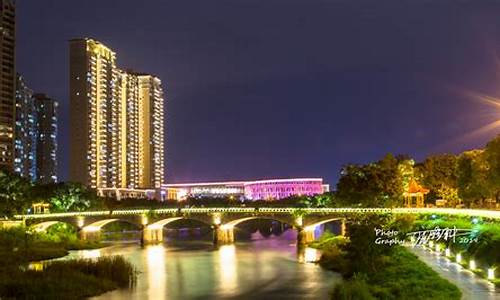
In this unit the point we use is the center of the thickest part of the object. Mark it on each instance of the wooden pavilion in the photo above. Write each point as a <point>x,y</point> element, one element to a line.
<point>414,196</point>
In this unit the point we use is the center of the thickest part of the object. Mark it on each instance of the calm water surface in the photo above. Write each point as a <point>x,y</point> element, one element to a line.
<point>256,269</point>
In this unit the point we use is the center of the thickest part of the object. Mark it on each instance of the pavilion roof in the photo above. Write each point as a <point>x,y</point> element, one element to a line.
<point>415,188</point>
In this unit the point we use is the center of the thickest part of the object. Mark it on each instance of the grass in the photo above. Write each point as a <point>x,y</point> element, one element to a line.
<point>113,268</point>
<point>67,279</point>
<point>484,250</point>
<point>406,277</point>
<point>72,279</point>
<point>403,276</point>
<point>353,289</point>
<point>328,240</point>
<point>399,274</point>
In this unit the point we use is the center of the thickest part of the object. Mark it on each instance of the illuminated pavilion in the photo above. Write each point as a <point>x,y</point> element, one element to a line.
<point>415,192</point>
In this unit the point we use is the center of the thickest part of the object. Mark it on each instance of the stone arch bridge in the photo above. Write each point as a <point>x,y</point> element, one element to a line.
<point>224,219</point>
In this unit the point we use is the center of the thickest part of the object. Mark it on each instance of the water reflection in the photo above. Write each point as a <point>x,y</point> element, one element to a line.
<point>156,273</point>
<point>90,253</point>
<point>35,266</point>
<point>228,270</point>
<point>260,267</point>
<point>308,255</point>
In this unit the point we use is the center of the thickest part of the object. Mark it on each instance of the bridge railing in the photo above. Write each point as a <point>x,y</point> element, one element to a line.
<point>492,214</point>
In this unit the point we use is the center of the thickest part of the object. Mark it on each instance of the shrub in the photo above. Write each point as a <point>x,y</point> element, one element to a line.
<point>353,289</point>
<point>113,268</point>
<point>70,279</point>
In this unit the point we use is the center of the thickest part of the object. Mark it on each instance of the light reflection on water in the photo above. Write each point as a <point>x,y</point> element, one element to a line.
<point>308,255</point>
<point>261,268</point>
<point>156,271</point>
<point>91,253</point>
<point>227,270</point>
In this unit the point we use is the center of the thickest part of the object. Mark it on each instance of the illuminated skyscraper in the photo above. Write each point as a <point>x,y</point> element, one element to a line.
<point>151,138</point>
<point>116,121</point>
<point>25,131</point>
<point>7,83</point>
<point>35,135</point>
<point>92,95</point>
<point>46,143</point>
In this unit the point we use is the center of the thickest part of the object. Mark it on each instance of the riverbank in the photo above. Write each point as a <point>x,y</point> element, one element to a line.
<point>480,245</point>
<point>471,285</point>
<point>71,279</point>
<point>373,271</point>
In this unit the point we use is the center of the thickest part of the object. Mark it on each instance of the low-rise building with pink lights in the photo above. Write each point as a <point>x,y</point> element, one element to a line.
<point>269,189</point>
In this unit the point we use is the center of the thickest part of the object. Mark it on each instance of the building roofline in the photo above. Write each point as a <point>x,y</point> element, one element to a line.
<point>242,183</point>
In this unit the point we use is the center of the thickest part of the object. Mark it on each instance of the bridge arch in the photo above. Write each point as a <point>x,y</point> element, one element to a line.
<point>153,233</point>
<point>231,224</point>
<point>44,226</point>
<point>318,223</point>
<point>307,234</point>
<point>224,234</point>
<point>97,225</point>
<point>159,224</point>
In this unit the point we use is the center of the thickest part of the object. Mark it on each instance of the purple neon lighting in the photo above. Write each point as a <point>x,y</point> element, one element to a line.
<point>282,188</point>
<point>258,189</point>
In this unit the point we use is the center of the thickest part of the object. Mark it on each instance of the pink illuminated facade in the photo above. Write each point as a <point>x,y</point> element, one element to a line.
<point>283,188</point>
<point>272,189</point>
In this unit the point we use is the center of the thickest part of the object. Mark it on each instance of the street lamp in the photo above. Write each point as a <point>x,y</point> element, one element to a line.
<point>491,273</point>
<point>472,264</point>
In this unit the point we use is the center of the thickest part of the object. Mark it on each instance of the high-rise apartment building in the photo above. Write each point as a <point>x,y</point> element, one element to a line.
<point>116,121</point>
<point>35,135</point>
<point>92,96</point>
<point>25,131</point>
<point>150,129</point>
<point>7,83</point>
<point>46,143</point>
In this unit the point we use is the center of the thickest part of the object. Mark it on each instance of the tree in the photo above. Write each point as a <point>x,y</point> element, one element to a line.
<point>71,196</point>
<point>492,156</point>
<point>321,200</point>
<point>439,174</point>
<point>472,175</point>
<point>377,184</point>
<point>450,194</point>
<point>365,255</point>
<point>14,194</point>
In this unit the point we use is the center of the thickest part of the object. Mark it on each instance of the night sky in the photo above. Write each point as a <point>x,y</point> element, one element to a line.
<point>285,88</point>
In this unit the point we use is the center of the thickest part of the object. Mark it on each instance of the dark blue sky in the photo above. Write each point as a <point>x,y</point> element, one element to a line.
<point>281,88</point>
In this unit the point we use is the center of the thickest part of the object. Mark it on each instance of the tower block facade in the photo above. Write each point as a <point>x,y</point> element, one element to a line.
<point>116,121</point>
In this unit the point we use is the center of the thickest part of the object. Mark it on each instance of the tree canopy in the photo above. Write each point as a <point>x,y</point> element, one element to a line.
<point>17,195</point>
<point>471,178</point>
<point>14,194</point>
<point>376,184</point>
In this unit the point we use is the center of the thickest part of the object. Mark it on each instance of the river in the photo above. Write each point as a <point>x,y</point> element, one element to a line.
<point>258,268</point>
